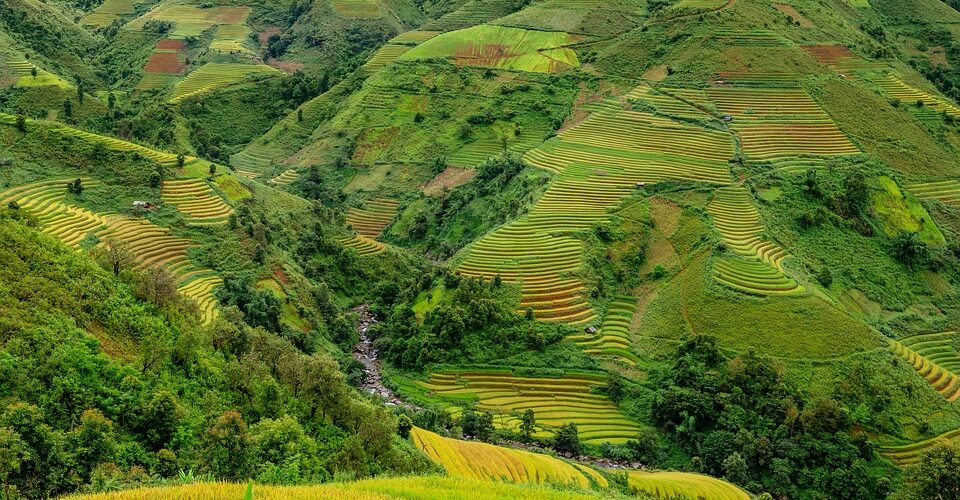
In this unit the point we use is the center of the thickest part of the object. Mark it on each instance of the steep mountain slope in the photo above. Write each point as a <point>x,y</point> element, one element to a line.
<point>717,238</point>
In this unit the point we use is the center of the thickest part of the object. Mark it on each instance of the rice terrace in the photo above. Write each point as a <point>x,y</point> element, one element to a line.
<point>538,249</point>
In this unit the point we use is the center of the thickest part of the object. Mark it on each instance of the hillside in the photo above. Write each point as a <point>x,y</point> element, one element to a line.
<point>432,248</point>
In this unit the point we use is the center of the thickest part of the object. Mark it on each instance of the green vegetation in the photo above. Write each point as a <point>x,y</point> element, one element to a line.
<point>715,239</point>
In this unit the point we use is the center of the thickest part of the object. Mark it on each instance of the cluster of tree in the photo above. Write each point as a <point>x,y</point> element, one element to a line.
<point>475,321</point>
<point>498,192</point>
<point>226,400</point>
<point>741,420</point>
<point>849,198</point>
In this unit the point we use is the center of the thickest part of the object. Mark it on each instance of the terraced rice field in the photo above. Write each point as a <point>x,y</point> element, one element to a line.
<point>682,103</point>
<point>694,6</point>
<point>193,20</point>
<point>286,177</point>
<point>472,13</point>
<point>780,122</point>
<point>45,201</point>
<point>472,155</point>
<point>357,9</point>
<point>501,47</point>
<point>935,358</point>
<point>910,96</point>
<point>151,245</point>
<point>113,144</point>
<point>751,38</point>
<point>151,81</point>
<point>363,245</point>
<point>475,460</point>
<point>197,201</point>
<point>23,70</point>
<point>154,246</point>
<point>394,488</point>
<point>555,401</point>
<point>841,59</point>
<point>738,222</point>
<point>947,191</point>
<point>415,37</point>
<point>668,484</point>
<point>372,219</point>
<point>108,12</point>
<point>754,277</point>
<point>385,55</point>
<point>910,454</point>
<point>213,76</point>
<point>754,77</point>
<point>613,337</point>
<point>230,38</point>
<point>599,163</point>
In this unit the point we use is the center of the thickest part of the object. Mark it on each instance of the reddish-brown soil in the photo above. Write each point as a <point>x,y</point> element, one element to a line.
<point>373,143</point>
<point>828,54</point>
<point>285,66</point>
<point>167,44</point>
<point>280,275</point>
<point>448,179</point>
<point>481,55</point>
<point>164,62</point>
<point>228,15</point>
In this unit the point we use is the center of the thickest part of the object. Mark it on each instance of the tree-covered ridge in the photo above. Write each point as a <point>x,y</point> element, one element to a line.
<point>227,400</point>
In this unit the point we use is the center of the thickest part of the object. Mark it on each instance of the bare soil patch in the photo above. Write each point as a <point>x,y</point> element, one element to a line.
<point>448,179</point>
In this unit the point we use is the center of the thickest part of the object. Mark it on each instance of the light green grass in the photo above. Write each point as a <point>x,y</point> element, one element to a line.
<point>213,76</point>
<point>901,212</point>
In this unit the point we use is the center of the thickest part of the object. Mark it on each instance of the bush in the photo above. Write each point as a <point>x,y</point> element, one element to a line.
<point>566,439</point>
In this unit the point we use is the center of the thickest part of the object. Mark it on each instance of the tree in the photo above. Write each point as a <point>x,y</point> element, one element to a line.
<point>283,446</point>
<point>937,476</point>
<point>227,447</point>
<point>159,419</point>
<point>909,249</point>
<point>158,286</point>
<point>68,108</point>
<point>404,425</point>
<point>181,160</point>
<point>213,169</point>
<point>13,452</point>
<point>566,439</point>
<point>21,123</point>
<point>80,92</point>
<point>300,115</point>
<point>528,423</point>
<point>478,425</point>
<point>75,187</point>
<point>111,101</point>
<point>33,71</point>
<point>115,256</point>
<point>735,469</point>
<point>615,386</point>
<point>93,442</point>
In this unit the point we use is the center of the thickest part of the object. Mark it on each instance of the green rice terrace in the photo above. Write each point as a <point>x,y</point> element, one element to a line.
<point>671,249</point>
